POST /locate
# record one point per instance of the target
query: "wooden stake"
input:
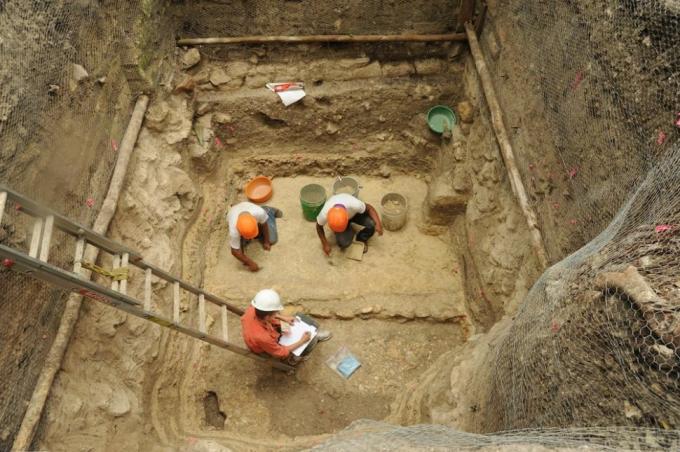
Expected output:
(505, 146)
(78, 256)
(322, 38)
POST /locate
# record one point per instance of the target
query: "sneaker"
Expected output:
(323, 335)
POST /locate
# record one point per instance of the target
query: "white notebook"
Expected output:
(294, 334)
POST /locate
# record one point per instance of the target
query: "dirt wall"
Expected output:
(60, 127)
(208, 18)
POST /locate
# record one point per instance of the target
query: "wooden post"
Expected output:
(505, 146)
(322, 38)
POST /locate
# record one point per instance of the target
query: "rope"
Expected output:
(117, 274)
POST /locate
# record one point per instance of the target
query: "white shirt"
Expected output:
(352, 204)
(232, 217)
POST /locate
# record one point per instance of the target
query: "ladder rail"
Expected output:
(33, 209)
(72, 282)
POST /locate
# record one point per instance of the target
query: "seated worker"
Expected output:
(261, 328)
(339, 211)
(248, 221)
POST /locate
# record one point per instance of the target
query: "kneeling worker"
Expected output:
(248, 221)
(261, 328)
(338, 212)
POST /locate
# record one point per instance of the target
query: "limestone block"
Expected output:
(237, 69)
(401, 69)
(443, 202)
(429, 66)
(156, 116)
(219, 77)
(190, 58)
(466, 111)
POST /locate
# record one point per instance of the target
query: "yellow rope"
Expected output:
(117, 274)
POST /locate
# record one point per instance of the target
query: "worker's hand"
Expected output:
(379, 229)
(267, 246)
(306, 337)
(326, 249)
(253, 267)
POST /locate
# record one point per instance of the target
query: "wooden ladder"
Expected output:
(35, 263)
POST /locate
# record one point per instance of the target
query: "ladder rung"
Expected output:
(124, 264)
(175, 303)
(35, 238)
(78, 256)
(147, 289)
(3, 202)
(225, 326)
(46, 238)
(201, 313)
(116, 266)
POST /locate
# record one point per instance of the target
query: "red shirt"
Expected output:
(260, 336)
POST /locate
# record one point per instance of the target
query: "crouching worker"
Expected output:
(261, 326)
(248, 221)
(338, 212)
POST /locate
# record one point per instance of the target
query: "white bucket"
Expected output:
(394, 209)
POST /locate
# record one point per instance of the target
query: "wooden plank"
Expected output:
(122, 288)
(46, 240)
(78, 256)
(201, 313)
(323, 38)
(504, 144)
(116, 266)
(3, 203)
(147, 289)
(175, 302)
(35, 238)
(225, 324)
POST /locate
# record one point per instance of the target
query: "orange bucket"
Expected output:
(259, 189)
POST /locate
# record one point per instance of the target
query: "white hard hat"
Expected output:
(267, 300)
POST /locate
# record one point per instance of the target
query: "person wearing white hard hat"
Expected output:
(261, 328)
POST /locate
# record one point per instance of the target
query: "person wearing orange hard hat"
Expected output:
(339, 212)
(248, 221)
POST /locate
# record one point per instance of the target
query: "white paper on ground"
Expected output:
(296, 331)
(292, 92)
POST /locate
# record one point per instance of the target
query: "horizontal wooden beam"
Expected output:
(322, 38)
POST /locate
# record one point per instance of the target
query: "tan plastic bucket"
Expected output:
(394, 210)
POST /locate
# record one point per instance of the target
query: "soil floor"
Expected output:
(387, 309)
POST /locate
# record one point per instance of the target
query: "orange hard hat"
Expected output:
(337, 218)
(247, 226)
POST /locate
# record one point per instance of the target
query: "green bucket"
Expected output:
(312, 199)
